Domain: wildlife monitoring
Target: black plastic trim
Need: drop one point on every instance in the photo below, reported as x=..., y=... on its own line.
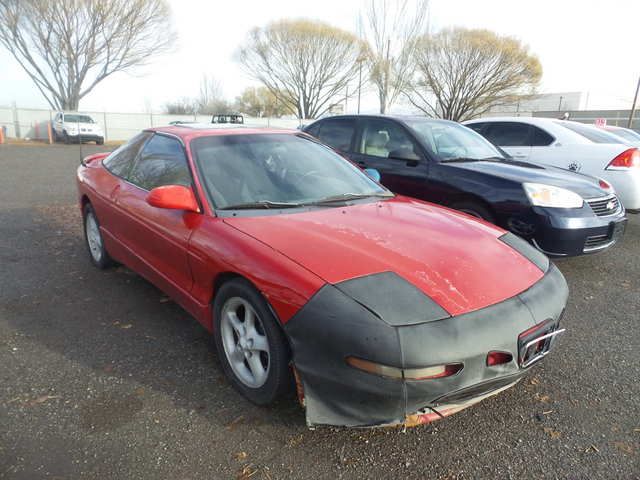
x=525, y=249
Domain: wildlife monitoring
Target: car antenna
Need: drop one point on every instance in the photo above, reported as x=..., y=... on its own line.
x=80, y=143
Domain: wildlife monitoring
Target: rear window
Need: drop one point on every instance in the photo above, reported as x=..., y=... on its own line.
x=593, y=134
x=627, y=135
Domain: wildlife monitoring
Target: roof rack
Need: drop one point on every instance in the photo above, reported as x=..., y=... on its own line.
x=227, y=118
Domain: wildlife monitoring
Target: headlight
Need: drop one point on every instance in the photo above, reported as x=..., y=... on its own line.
x=550, y=196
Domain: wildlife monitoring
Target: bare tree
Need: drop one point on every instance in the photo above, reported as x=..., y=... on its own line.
x=463, y=73
x=67, y=47
x=181, y=106
x=391, y=28
x=210, y=98
x=306, y=65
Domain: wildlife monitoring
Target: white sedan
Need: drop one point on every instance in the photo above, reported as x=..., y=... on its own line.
x=569, y=145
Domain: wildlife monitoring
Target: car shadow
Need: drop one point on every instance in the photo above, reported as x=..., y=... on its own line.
x=118, y=325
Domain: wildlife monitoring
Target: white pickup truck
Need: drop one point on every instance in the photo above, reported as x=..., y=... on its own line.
x=76, y=127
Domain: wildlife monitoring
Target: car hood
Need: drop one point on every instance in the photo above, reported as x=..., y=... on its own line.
x=456, y=260
x=584, y=185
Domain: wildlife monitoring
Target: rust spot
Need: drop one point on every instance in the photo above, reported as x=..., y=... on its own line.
x=299, y=387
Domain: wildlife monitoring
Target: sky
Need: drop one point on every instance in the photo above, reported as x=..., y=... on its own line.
x=589, y=46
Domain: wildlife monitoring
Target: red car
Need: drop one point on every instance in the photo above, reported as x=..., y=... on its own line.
x=382, y=309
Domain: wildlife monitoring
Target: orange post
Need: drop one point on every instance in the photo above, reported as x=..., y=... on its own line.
x=1, y=135
x=49, y=133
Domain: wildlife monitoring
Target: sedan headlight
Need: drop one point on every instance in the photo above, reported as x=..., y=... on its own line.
x=550, y=196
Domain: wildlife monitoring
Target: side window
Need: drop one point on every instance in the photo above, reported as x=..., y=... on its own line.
x=381, y=138
x=508, y=134
x=337, y=133
x=162, y=162
x=121, y=160
x=476, y=127
x=313, y=129
x=541, y=138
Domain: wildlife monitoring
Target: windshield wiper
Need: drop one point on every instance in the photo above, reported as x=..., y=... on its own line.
x=261, y=204
x=349, y=196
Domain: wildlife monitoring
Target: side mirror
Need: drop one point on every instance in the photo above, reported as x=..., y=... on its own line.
x=173, y=197
x=373, y=174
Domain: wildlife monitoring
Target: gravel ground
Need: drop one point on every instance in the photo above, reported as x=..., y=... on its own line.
x=102, y=377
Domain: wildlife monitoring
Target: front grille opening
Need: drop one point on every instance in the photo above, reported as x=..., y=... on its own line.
x=595, y=242
x=605, y=206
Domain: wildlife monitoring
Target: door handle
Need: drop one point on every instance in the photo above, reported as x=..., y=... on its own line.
x=412, y=163
x=362, y=163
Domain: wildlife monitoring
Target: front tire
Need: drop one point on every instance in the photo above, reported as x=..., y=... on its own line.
x=100, y=141
x=475, y=210
x=93, y=239
x=65, y=137
x=251, y=346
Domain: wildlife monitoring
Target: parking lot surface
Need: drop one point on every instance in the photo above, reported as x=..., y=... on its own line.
x=102, y=377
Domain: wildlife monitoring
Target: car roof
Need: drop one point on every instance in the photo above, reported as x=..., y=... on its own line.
x=399, y=117
x=193, y=130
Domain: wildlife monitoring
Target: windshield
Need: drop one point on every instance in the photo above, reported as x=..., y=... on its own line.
x=276, y=170
x=594, y=134
x=448, y=141
x=78, y=119
x=628, y=135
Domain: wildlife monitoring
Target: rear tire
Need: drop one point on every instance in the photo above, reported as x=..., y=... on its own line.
x=474, y=209
x=252, y=348
x=93, y=239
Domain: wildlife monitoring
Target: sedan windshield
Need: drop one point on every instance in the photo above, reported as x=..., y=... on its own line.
x=277, y=171
x=452, y=141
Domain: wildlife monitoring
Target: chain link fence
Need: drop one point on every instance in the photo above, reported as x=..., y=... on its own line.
x=28, y=123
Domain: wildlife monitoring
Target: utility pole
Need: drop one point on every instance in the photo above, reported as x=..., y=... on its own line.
x=385, y=95
x=633, y=106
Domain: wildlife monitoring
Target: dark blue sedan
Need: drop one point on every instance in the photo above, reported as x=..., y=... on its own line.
x=560, y=212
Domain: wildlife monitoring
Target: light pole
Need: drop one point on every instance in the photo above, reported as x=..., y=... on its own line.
x=633, y=106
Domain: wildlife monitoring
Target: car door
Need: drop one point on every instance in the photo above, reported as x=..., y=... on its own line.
x=388, y=147
x=541, y=144
x=117, y=167
x=159, y=237
x=513, y=137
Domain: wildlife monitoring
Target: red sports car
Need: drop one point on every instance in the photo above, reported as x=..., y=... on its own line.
x=382, y=309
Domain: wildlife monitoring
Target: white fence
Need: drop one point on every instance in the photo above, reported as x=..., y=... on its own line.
x=32, y=123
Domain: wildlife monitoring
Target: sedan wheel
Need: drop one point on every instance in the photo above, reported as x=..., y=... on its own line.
x=98, y=254
x=251, y=346
x=245, y=343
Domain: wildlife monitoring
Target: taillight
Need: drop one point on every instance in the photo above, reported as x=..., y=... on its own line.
x=627, y=159
x=498, y=358
x=425, y=373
